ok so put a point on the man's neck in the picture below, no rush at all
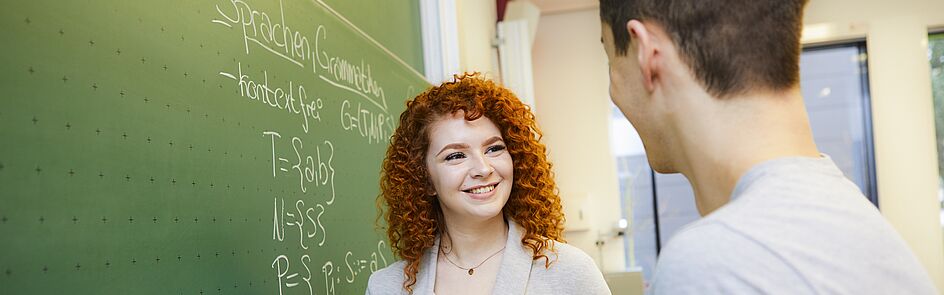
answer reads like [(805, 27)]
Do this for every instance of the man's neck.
[(727, 137), (472, 240)]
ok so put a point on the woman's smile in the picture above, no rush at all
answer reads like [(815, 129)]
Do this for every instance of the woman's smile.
[(481, 192)]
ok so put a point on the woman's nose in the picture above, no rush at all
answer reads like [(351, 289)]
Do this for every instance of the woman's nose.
[(482, 168)]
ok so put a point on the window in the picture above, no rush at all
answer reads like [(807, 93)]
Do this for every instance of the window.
[(834, 82), (936, 57), (636, 195)]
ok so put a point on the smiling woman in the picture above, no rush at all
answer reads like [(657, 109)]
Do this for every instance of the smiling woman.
[(470, 200)]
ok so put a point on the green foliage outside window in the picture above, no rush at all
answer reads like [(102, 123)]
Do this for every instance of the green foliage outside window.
[(936, 57)]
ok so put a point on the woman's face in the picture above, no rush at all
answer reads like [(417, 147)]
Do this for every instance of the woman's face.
[(469, 166)]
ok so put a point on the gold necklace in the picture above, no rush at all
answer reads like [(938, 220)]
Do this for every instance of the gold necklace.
[(470, 269)]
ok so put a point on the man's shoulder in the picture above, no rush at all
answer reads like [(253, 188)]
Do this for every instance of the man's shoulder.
[(737, 252), (711, 257), (703, 242), (712, 246), (387, 280)]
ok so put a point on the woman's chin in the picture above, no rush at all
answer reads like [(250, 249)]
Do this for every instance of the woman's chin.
[(485, 212)]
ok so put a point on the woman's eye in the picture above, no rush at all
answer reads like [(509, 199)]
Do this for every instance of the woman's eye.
[(495, 148), (454, 156)]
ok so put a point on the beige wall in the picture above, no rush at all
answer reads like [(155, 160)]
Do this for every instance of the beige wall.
[(475, 20), (902, 114), (572, 99)]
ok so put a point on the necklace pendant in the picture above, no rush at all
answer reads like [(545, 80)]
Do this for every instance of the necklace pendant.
[(471, 270)]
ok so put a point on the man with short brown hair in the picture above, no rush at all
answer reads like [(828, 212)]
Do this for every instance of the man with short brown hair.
[(712, 87)]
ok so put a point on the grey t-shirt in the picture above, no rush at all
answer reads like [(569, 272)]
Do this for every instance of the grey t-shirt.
[(793, 226)]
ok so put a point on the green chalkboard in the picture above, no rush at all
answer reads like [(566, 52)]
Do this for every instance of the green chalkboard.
[(196, 147), (390, 22)]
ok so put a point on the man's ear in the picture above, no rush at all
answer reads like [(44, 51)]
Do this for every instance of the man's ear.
[(647, 51)]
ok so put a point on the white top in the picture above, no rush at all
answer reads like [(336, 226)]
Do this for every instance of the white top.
[(793, 226), (573, 272)]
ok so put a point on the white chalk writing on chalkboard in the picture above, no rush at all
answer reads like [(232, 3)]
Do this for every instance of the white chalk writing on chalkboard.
[(308, 161), (317, 169), (258, 25), (376, 127), (279, 39), (294, 101)]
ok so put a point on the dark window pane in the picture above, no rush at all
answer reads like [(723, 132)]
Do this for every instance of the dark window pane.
[(834, 85)]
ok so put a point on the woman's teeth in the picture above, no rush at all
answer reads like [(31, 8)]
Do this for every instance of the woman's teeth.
[(483, 189)]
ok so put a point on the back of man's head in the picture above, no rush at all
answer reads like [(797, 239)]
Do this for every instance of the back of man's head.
[(732, 46)]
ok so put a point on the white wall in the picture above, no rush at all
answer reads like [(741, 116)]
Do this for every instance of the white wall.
[(572, 98), (902, 114)]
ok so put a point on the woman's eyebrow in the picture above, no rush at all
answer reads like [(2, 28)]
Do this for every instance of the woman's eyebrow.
[(492, 140), (452, 146)]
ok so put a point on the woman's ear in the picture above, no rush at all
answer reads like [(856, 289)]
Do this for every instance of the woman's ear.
[(430, 190)]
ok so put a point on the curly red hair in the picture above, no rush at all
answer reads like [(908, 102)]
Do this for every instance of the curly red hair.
[(414, 216)]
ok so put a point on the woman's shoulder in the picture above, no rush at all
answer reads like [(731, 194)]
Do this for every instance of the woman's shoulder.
[(571, 271), (387, 279), (567, 258)]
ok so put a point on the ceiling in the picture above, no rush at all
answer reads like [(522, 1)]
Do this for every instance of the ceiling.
[(559, 6)]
